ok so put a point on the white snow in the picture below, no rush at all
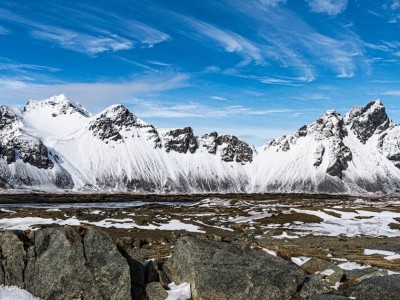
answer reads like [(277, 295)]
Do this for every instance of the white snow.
[(179, 292), (371, 223), (284, 235), (300, 260), (352, 266), (15, 293), (272, 252), (388, 255)]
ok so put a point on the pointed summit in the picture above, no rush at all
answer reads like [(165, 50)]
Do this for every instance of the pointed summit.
[(368, 120), (57, 105)]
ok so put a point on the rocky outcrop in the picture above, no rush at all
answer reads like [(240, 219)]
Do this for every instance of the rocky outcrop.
[(65, 263), (110, 124), (232, 148), (385, 288), (368, 120), (219, 270), (180, 140)]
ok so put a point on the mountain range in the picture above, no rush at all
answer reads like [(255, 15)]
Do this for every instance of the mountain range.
[(56, 144)]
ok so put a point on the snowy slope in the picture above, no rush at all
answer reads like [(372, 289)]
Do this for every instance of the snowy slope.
[(57, 144)]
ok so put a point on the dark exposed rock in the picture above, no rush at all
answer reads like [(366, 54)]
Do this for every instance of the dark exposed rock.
[(151, 272), (340, 163), (234, 149), (361, 274), (218, 270), (7, 118), (368, 120), (327, 297), (209, 142), (63, 265), (109, 124), (109, 268), (377, 288), (314, 284), (155, 291), (315, 265), (29, 150), (180, 140), (12, 259), (59, 262)]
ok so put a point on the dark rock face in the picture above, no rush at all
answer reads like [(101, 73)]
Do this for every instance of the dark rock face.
[(108, 125), (385, 288), (7, 118), (180, 140), (29, 150), (65, 263), (368, 120), (340, 164), (108, 267), (219, 270), (12, 260), (327, 297), (155, 291), (233, 149), (209, 141)]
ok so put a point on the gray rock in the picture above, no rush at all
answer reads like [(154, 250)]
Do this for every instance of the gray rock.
[(59, 269), (376, 288), (155, 291), (109, 268), (151, 272), (315, 265), (315, 284), (327, 297), (361, 274), (219, 270), (12, 259)]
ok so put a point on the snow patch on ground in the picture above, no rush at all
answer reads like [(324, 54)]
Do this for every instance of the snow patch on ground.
[(388, 255), (300, 260), (352, 266), (15, 293), (179, 292)]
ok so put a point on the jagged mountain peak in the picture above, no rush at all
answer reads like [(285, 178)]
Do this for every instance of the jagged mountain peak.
[(57, 105), (368, 120)]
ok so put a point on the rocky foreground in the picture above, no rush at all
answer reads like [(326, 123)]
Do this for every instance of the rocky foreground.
[(84, 262)]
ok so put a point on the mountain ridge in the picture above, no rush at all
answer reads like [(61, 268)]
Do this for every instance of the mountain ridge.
[(56, 144)]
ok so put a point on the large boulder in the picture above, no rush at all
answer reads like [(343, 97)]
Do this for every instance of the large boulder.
[(69, 264), (109, 268), (219, 270), (12, 260), (376, 288)]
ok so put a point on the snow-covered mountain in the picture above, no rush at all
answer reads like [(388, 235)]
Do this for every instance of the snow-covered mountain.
[(56, 144)]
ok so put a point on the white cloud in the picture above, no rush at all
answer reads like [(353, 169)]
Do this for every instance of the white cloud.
[(300, 48), (392, 93), (219, 98), (155, 109), (230, 41), (329, 7), (272, 3), (81, 42), (94, 95)]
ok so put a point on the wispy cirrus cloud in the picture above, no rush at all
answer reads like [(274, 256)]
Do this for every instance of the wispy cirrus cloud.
[(297, 46), (81, 42), (155, 109), (92, 34), (329, 7), (230, 41)]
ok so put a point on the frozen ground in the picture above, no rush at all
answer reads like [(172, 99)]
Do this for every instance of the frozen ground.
[(348, 230)]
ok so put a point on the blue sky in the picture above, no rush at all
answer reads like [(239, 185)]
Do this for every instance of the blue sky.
[(254, 68)]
